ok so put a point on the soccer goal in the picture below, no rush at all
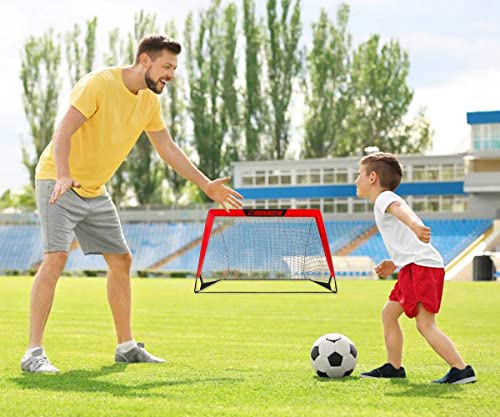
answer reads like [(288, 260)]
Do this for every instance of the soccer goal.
[(264, 245)]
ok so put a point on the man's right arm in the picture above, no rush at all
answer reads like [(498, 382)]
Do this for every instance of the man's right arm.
[(71, 122)]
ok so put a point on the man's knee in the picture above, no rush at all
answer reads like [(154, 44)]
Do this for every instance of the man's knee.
[(55, 260), (119, 262)]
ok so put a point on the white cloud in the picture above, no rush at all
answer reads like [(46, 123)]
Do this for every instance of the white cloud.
[(13, 174), (447, 105)]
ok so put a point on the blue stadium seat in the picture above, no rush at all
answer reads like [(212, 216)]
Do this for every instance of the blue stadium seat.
[(449, 237)]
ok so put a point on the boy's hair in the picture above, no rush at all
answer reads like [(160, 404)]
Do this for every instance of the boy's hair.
[(155, 44), (387, 167)]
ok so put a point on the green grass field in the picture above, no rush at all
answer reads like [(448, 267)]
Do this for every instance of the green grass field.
[(241, 355)]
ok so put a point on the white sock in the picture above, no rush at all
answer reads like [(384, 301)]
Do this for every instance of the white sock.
[(30, 350), (126, 346)]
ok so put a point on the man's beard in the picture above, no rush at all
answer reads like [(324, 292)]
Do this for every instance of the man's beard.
[(151, 84)]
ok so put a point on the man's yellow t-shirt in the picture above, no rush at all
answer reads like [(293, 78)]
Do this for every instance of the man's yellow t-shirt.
[(115, 119)]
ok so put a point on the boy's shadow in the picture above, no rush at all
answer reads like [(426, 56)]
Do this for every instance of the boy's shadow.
[(87, 381), (424, 390)]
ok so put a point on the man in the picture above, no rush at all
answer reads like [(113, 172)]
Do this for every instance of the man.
[(109, 110)]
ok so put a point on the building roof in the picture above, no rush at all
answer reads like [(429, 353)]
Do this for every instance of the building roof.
[(483, 117)]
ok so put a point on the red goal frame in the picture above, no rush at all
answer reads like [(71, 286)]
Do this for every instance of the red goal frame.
[(310, 213)]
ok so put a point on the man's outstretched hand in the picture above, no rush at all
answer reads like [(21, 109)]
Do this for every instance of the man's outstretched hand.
[(225, 196)]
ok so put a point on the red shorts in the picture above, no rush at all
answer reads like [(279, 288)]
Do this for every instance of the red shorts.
[(418, 284)]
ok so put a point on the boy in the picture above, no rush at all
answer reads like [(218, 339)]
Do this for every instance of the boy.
[(419, 288)]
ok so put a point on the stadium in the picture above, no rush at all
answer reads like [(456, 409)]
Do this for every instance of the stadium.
[(457, 195), (250, 237)]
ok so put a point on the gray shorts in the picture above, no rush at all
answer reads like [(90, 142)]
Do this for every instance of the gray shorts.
[(94, 221)]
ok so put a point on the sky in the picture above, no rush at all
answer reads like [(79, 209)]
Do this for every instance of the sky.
[(453, 48)]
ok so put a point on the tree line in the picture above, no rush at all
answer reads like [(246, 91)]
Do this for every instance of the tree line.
[(235, 99)]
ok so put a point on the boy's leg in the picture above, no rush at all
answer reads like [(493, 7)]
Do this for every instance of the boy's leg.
[(442, 344), (392, 332), (393, 343)]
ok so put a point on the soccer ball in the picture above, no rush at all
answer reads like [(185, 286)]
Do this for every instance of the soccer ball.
[(333, 356)]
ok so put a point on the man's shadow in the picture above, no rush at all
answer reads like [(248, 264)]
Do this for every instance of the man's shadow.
[(87, 381)]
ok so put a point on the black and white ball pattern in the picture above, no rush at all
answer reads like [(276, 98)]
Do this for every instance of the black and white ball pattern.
[(333, 356)]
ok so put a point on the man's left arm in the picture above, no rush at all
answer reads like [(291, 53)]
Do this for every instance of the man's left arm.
[(174, 156)]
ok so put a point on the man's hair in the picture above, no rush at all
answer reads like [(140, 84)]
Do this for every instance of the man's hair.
[(387, 167), (155, 44)]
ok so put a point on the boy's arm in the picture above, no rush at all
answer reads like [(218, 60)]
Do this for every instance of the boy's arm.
[(408, 217), (385, 268)]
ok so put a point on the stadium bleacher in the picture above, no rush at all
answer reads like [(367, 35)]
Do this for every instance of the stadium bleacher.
[(449, 236), (148, 242), (20, 245)]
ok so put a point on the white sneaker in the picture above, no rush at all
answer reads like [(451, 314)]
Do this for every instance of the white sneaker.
[(37, 362), (137, 355)]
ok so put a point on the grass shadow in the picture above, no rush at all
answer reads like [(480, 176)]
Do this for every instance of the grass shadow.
[(424, 390), (88, 381), (342, 380)]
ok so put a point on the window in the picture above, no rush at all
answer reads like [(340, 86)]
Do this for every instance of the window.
[(315, 204), (419, 204), (359, 206), (272, 204), (247, 178), (328, 206), (286, 177), (314, 176), (260, 178), (432, 173), (418, 173), (460, 204), (448, 172), (341, 176), (273, 178), (341, 206), (260, 204), (447, 203), (433, 204), (301, 204), (285, 204), (302, 177), (328, 176)]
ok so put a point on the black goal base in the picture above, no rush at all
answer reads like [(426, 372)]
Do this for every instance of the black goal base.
[(329, 287)]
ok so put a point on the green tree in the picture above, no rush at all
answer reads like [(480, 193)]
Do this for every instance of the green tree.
[(117, 55), (145, 170), (80, 57), (327, 93), (41, 83), (174, 109), (284, 67), (21, 201), (230, 104), (213, 100), (381, 98), (254, 120)]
